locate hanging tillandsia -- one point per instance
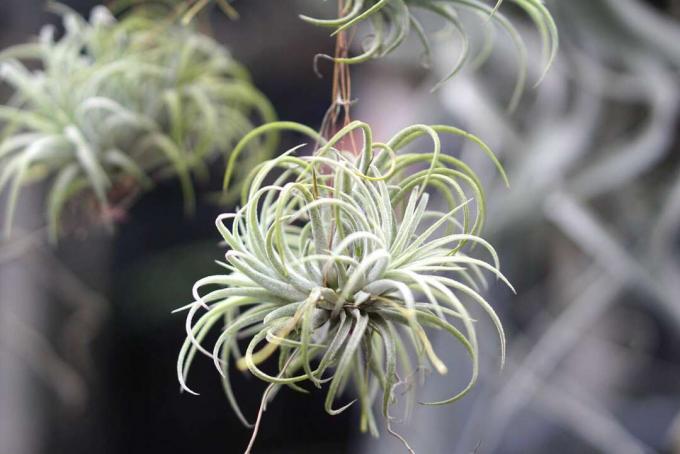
(342, 263)
(117, 105)
(391, 22)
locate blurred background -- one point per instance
(588, 233)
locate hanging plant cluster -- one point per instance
(116, 105)
(343, 262)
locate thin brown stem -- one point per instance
(338, 114)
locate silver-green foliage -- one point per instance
(340, 261)
(138, 98)
(391, 22)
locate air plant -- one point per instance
(120, 104)
(391, 22)
(339, 261)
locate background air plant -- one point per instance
(116, 105)
(341, 262)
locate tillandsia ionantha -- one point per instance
(117, 105)
(339, 260)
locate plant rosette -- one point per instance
(340, 264)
